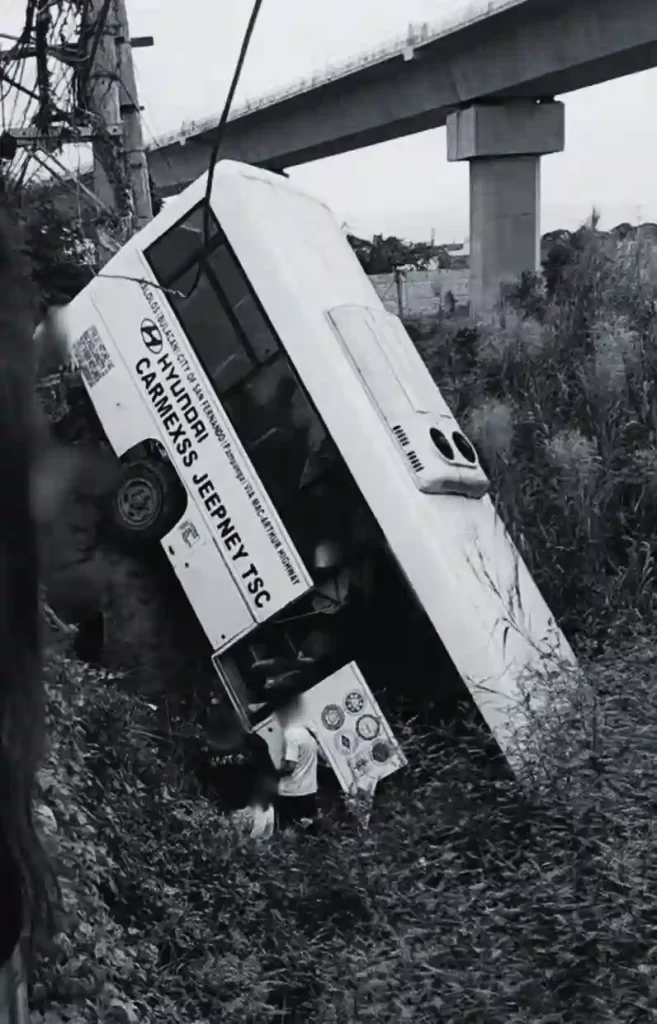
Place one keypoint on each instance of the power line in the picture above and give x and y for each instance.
(220, 130)
(223, 120)
(51, 96)
(41, 89)
(43, 37)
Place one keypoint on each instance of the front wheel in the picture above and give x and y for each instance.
(147, 502)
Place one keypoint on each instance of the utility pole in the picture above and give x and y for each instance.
(133, 139)
(104, 111)
(100, 96)
(110, 94)
(399, 284)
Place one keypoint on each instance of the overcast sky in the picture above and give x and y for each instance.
(404, 187)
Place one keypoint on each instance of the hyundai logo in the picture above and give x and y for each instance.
(151, 335)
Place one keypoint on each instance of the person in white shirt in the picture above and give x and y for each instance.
(258, 818)
(297, 785)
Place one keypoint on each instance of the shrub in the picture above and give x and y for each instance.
(466, 899)
(561, 404)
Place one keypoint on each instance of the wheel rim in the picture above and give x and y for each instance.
(138, 503)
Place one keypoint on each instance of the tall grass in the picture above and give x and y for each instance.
(466, 900)
(563, 406)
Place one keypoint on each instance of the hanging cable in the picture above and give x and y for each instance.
(44, 38)
(223, 120)
(219, 134)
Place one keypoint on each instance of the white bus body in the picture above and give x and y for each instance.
(232, 548)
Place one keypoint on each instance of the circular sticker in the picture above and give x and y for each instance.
(332, 717)
(381, 752)
(346, 742)
(354, 702)
(368, 727)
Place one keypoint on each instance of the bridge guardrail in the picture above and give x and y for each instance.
(416, 35)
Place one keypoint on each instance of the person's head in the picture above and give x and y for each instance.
(264, 789)
(289, 711)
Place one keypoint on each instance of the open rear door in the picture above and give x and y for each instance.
(355, 737)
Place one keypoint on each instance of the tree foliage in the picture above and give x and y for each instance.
(62, 257)
(385, 254)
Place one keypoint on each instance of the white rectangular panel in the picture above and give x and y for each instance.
(210, 589)
(350, 727)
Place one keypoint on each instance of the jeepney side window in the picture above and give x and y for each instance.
(209, 328)
(228, 329)
(180, 244)
(240, 301)
(279, 428)
(288, 446)
(213, 301)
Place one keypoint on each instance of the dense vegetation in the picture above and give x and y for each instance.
(466, 900)
(561, 402)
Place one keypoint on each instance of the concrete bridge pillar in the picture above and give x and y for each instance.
(503, 142)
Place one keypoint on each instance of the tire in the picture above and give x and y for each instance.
(146, 503)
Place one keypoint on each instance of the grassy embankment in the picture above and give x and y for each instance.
(466, 900)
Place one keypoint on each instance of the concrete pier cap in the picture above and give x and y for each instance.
(503, 142)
